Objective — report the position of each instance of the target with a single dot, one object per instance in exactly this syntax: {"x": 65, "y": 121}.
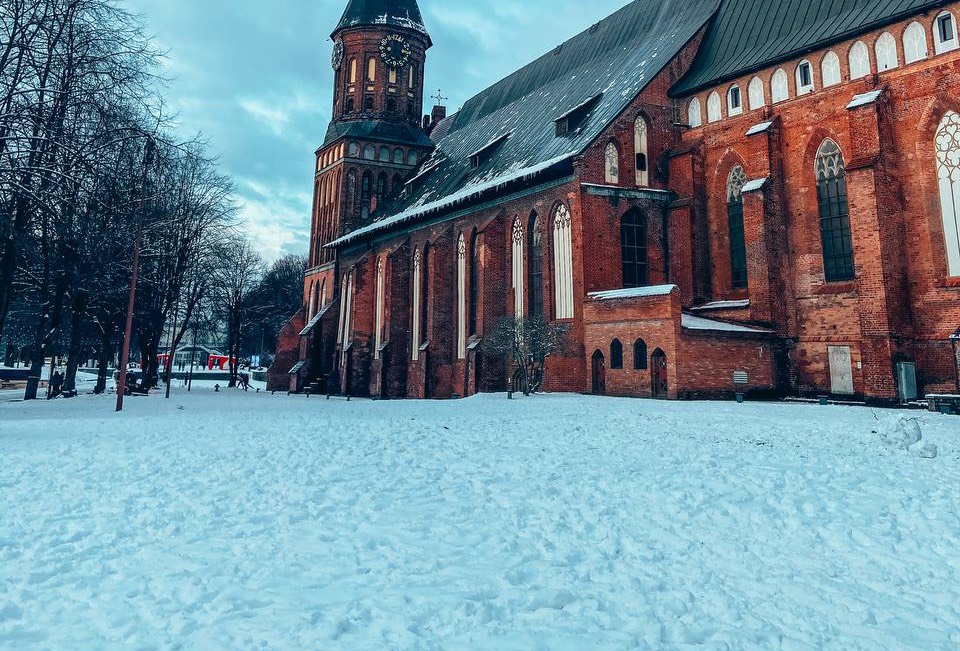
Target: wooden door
{"x": 658, "y": 371}
{"x": 599, "y": 374}
{"x": 841, "y": 370}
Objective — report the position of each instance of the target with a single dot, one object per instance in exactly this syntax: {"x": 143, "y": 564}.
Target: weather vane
{"x": 439, "y": 97}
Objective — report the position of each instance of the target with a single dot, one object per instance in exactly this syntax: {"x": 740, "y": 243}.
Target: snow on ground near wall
{"x": 229, "y": 521}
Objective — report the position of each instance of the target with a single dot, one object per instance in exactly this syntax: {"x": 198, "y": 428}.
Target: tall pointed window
{"x": 887, "y": 56}
{"x": 834, "y": 213}
{"x": 563, "y": 261}
{"x": 353, "y": 71}
{"x": 830, "y": 70}
{"x": 461, "y": 297}
{"x": 758, "y": 98}
{"x": 415, "y": 312}
{"x": 915, "y": 43}
{"x": 738, "y": 245}
{"x": 805, "y": 83}
{"x": 640, "y": 131}
{"x": 346, "y": 315}
{"x": 371, "y": 69}
{"x": 616, "y": 355}
{"x": 535, "y": 267}
{"x": 695, "y": 113}
{"x": 734, "y": 101}
{"x": 714, "y": 107}
{"x": 517, "y": 258}
{"x": 378, "y": 312}
{"x": 474, "y": 282}
{"x": 779, "y": 86}
{"x": 640, "y": 355}
{"x": 948, "y": 172}
{"x": 365, "y": 190}
{"x": 859, "y": 61}
{"x": 633, "y": 249}
{"x": 612, "y": 164}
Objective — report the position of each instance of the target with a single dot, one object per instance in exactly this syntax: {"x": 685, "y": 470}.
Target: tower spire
{"x": 380, "y": 13}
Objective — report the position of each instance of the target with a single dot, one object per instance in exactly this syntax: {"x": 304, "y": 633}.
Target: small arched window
{"x": 830, "y": 70}
{"x": 392, "y": 75}
{"x": 805, "y": 83}
{"x": 640, "y": 355}
{"x": 835, "y": 232}
{"x": 738, "y": 245}
{"x": 412, "y": 157}
{"x": 694, "y": 113}
{"x": 779, "y": 86}
{"x": 945, "y": 33}
{"x": 518, "y": 269}
{"x": 353, "y": 149}
{"x": 633, "y": 249}
{"x": 948, "y": 173}
{"x": 611, "y": 165}
{"x": 734, "y": 101}
{"x": 915, "y": 43}
{"x": 714, "y": 107}
{"x": 616, "y": 355}
{"x": 563, "y": 261}
{"x": 535, "y": 266}
{"x": 640, "y": 147}
{"x": 369, "y": 152}
{"x": 398, "y": 156}
{"x": 353, "y": 71}
{"x": 371, "y": 69}
{"x": 412, "y": 77}
{"x": 758, "y": 97}
{"x": 384, "y": 154}
{"x": 859, "y": 60}
{"x": 887, "y": 56}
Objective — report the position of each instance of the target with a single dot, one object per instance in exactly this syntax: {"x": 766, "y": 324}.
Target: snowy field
{"x": 231, "y": 522}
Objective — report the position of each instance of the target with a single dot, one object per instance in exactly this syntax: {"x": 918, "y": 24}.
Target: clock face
{"x": 337, "y": 55}
{"x": 395, "y": 51}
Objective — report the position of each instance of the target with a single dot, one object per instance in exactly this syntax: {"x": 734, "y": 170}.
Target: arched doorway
{"x": 599, "y": 374}
{"x": 658, "y": 367}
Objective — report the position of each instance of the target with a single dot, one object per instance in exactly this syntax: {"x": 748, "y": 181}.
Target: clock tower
{"x": 376, "y": 137}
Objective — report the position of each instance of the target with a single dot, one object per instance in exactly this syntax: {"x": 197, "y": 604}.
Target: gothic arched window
{"x": 859, "y": 60}
{"x": 887, "y": 56}
{"x": 371, "y": 69}
{"x": 915, "y": 43}
{"x": 351, "y": 191}
{"x": 640, "y": 355}
{"x": 758, "y": 98}
{"x": 353, "y": 71}
{"x": 416, "y": 341}
{"x": 948, "y": 173}
{"x": 714, "y": 108}
{"x": 738, "y": 245}
{"x": 461, "y": 297}
{"x": 633, "y": 249}
{"x": 563, "y": 261}
{"x": 640, "y": 131}
{"x": 474, "y": 282}
{"x": 830, "y": 70}
{"x": 695, "y": 113}
{"x": 945, "y": 33}
{"x": 535, "y": 266}
{"x": 779, "y": 86}
{"x": 612, "y": 164}
{"x": 378, "y": 311}
{"x": 734, "y": 100}
{"x": 518, "y": 269}
{"x": 616, "y": 355}
{"x": 365, "y": 190}
{"x": 834, "y": 213}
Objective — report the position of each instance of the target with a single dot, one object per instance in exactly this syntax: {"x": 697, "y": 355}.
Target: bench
{"x": 944, "y": 403}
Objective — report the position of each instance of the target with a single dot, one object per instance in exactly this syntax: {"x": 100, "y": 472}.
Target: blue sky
{"x": 253, "y": 76}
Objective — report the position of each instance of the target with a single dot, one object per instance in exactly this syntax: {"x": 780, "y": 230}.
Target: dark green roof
{"x": 748, "y": 35}
{"x": 396, "y": 13}
{"x": 398, "y": 133}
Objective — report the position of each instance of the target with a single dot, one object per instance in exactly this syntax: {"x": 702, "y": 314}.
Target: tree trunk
{"x": 36, "y": 370}
{"x": 78, "y": 309}
{"x": 103, "y": 369}
{"x": 8, "y": 265}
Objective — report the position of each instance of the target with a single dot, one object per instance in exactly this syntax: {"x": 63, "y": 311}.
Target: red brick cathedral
{"x": 741, "y": 195}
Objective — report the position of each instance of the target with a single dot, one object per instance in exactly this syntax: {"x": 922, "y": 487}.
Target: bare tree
{"x": 236, "y": 296}
{"x": 527, "y": 344}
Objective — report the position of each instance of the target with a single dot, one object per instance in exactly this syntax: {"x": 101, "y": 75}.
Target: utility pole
{"x": 148, "y": 151}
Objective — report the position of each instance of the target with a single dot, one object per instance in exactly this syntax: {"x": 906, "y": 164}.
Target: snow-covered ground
{"x": 230, "y": 521}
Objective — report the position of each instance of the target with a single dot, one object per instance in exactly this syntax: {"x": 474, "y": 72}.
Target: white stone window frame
{"x": 641, "y": 133}
{"x": 734, "y": 101}
{"x": 947, "y": 147}
{"x": 519, "y": 270}
{"x": 808, "y": 85}
{"x": 417, "y": 306}
{"x": 563, "y": 261}
{"x": 378, "y": 311}
{"x": 859, "y": 60}
{"x": 940, "y": 45}
{"x": 611, "y": 164}
{"x": 695, "y": 113}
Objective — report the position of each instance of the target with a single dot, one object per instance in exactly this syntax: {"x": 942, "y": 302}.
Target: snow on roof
{"x": 467, "y": 193}
{"x": 723, "y": 305}
{"x": 634, "y": 292}
{"x": 691, "y": 322}
{"x": 865, "y": 98}
{"x": 759, "y": 128}
{"x": 754, "y": 185}
{"x": 611, "y": 63}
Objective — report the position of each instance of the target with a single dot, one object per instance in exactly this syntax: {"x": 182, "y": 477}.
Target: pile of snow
{"x": 251, "y": 521}
{"x": 903, "y": 433}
